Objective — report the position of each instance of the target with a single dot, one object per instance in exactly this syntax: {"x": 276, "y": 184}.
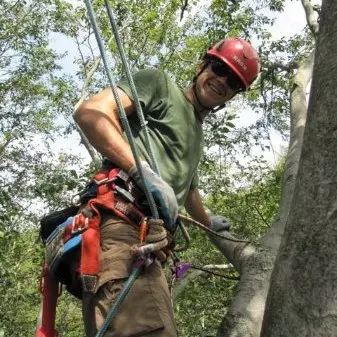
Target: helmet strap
{"x": 218, "y": 108}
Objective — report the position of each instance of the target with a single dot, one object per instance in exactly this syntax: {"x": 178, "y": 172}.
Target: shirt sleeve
{"x": 150, "y": 85}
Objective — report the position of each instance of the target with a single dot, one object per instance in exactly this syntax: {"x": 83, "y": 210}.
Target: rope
{"x": 139, "y": 109}
{"x": 139, "y": 266}
{"x": 235, "y": 278}
{"x": 120, "y": 298}
{"x": 156, "y": 240}
{"x": 123, "y": 116}
{"x": 207, "y": 229}
{"x": 154, "y": 164}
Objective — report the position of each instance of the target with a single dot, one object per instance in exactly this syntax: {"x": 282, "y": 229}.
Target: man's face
{"x": 217, "y": 84}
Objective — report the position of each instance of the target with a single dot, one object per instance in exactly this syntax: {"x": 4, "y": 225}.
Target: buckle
{"x": 75, "y": 229}
{"x": 104, "y": 181}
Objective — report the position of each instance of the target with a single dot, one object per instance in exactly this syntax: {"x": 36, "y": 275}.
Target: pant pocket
{"x": 137, "y": 315}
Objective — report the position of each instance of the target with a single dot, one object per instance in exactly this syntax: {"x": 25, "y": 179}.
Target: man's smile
{"x": 216, "y": 89}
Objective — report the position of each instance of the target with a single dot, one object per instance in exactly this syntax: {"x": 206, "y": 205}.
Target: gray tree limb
{"x": 310, "y": 16}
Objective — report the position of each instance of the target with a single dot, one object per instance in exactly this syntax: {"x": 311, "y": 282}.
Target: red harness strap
{"x": 87, "y": 223}
{"x": 105, "y": 199}
{"x": 49, "y": 287}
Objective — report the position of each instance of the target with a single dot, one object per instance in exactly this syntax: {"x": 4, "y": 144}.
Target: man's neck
{"x": 200, "y": 110}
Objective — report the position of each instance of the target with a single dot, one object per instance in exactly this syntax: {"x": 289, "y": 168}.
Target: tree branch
{"x": 82, "y": 56}
{"x": 4, "y": 145}
{"x": 261, "y": 216}
{"x": 182, "y": 283}
{"x": 310, "y": 16}
{"x": 184, "y": 5}
{"x": 298, "y": 109}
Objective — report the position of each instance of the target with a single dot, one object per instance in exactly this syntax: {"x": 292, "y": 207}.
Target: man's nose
{"x": 222, "y": 80}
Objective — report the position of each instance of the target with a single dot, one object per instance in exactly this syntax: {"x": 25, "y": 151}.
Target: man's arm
{"x": 195, "y": 208}
{"x": 98, "y": 117}
{"x": 197, "y": 211}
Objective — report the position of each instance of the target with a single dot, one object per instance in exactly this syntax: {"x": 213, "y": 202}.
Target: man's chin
{"x": 211, "y": 105}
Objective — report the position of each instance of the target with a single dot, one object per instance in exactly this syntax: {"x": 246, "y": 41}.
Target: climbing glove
{"x": 219, "y": 223}
{"x": 161, "y": 191}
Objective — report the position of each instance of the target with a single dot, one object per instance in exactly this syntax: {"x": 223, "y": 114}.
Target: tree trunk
{"x": 302, "y": 300}
{"x": 255, "y": 261}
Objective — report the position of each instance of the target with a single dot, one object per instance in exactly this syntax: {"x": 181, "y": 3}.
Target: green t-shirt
{"x": 174, "y": 130}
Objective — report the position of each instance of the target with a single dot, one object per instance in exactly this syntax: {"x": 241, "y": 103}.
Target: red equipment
{"x": 83, "y": 230}
{"x": 51, "y": 291}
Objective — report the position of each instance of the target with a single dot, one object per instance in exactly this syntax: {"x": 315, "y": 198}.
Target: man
{"x": 174, "y": 119}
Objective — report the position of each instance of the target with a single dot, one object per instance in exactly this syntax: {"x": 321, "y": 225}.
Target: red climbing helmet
{"x": 240, "y": 56}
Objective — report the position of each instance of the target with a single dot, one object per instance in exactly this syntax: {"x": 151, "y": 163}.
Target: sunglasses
{"x": 222, "y": 70}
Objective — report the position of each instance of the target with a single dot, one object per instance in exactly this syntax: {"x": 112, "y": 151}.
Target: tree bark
{"x": 303, "y": 293}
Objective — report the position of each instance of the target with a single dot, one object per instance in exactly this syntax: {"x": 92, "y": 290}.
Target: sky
{"x": 292, "y": 20}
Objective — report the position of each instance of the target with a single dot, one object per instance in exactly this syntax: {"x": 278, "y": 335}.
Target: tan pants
{"x": 146, "y": 310}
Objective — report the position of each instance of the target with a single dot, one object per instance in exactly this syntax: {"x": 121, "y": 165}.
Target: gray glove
{"x": 219, "y": 223}
{"x": 161, "y": 191}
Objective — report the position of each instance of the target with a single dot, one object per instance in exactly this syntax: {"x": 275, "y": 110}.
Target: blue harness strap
{"x": 57, "y": 248}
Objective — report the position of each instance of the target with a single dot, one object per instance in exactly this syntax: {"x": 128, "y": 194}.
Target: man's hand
{"x": 219, "y": 223}
{"x": 161, "y": 191}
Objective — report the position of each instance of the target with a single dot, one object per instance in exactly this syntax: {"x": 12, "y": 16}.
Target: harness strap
{"x": 50, "y": 290}
{"x": 83, "y": 229}
{"x": 89, "y": 219}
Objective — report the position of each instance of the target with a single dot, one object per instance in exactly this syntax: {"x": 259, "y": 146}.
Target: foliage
{"x": 250, "y": 210}
{"x": 33, "y": 96}
{"x": 20, "y": 267}
{"x": 19, "y": 256}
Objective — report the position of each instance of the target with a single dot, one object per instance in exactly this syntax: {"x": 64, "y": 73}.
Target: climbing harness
{"x": 112, "y": 190}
